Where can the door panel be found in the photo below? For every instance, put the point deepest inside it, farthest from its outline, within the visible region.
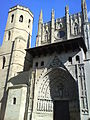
(61, 110)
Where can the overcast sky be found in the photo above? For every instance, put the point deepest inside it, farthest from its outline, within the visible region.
(35, 6)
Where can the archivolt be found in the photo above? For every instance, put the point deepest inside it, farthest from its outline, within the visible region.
(48, 86)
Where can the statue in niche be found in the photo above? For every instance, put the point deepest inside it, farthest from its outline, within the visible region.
(58, 91)
(56, 62)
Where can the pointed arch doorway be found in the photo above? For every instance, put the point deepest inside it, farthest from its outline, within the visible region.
(57, 96)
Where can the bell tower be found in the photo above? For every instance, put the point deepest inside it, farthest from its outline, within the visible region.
(17, 38)
(19, 24)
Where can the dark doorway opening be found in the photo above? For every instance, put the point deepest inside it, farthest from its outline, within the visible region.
(61, 110)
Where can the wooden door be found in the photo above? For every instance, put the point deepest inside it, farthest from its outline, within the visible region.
(61, 110)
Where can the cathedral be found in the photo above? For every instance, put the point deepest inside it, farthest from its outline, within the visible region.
(50, 81)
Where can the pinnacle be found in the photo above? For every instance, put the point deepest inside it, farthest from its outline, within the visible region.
(41, 15)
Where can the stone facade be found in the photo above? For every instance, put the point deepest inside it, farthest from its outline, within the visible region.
(51, 80)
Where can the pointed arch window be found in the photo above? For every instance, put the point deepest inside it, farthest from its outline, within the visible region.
(46, 36)
(76, 29)
(4, 60)
(21, 18)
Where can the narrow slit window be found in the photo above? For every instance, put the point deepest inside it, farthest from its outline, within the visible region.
(12, 18)
(29, 22)
(9, 35)
(21, 18)
(14, 100)
(4, 60)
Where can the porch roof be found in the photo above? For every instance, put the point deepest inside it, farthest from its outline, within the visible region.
(67, 45)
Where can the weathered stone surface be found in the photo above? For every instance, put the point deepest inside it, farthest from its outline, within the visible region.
(31, 82)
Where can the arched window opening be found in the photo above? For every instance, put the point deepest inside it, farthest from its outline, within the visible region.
(76, 29)
(60, 25)
(78, 58)
(21, 18)
(9, 35)
(12, 18)
(14, 100)
(70, 59)
(4, 60)
(29, 22)
(36, 64)
(42, 63)
(46, 36)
